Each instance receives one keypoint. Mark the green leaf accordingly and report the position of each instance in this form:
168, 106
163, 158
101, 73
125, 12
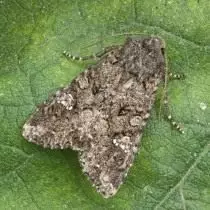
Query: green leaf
172, 170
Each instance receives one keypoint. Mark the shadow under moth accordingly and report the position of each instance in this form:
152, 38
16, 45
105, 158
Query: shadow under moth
103, 112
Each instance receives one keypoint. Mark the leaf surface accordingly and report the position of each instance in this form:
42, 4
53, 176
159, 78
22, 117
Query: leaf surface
172, 170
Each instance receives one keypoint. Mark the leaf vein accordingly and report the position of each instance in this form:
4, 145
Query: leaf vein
181, 182
28, 191
182, 197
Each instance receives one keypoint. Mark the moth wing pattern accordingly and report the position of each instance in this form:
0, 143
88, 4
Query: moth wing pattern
103, 112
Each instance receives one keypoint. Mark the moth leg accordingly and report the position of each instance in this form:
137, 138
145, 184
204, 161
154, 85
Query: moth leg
90, 57
173, 76
73, 57
167, 113
170, 118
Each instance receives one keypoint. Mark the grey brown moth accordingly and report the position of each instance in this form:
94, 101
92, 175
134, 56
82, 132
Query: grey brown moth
103, 112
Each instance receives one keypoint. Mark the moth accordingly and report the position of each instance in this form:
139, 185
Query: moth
103, 112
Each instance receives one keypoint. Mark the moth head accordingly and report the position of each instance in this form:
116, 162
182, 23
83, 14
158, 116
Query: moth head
144, 57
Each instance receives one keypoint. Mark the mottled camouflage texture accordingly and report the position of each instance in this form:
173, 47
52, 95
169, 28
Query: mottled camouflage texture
103, 112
